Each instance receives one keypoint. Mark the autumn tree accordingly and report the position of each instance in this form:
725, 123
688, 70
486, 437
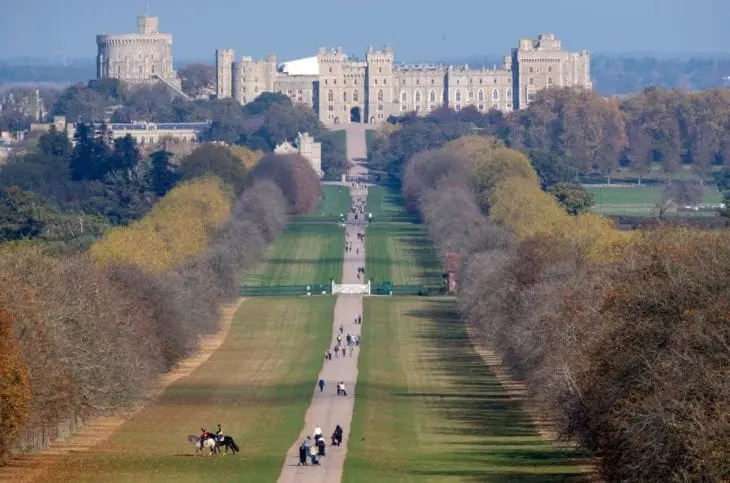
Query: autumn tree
15, 394
294, 175
215, 160
572, 197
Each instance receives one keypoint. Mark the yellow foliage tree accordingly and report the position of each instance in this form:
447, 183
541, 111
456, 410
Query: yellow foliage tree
247, 156
15, 394
490, 164
519, 204
177, 228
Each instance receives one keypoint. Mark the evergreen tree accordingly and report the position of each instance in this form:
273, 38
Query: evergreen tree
162, 176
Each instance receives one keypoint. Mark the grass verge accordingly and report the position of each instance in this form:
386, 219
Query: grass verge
335, 200
304, 253
429, 409
401, 253
387, 205
258, 385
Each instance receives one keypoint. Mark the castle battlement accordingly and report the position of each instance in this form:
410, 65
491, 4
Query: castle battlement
344, 89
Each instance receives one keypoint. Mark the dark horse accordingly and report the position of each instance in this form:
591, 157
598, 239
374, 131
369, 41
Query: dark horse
228, 443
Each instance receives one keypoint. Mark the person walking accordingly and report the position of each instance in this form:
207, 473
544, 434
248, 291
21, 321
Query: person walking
321, 385
339, 340
339, 391
337, 352
302, 455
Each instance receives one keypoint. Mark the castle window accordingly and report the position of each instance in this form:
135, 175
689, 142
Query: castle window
471, 95
330, 70
495, 94
481, 107
550, 69
509, 93
380, 70
495, 106
432, 96
330, 96
495, 80
457, 95
256, 89
531, 81
380, 107
480, 97
550, 81
417, 97
344, 97
431, 81
480, 80
153, 68
532, 70
457, 81
325, 82
403, 97
330, 108
418, 81
385, 81
376, 81
380, 95
354, 96
334, 81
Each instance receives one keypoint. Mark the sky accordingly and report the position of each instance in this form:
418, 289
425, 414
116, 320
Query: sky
417, 30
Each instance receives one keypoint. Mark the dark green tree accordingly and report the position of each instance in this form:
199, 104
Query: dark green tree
572, 197
125, 155
263, 102
550, 168
18, 217
55, 143
162, 175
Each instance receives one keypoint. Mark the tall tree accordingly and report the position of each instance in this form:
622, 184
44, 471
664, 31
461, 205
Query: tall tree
162, 175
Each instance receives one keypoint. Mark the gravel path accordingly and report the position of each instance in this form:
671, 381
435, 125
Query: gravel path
328, 409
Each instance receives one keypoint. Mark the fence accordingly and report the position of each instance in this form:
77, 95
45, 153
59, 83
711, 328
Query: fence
285, 290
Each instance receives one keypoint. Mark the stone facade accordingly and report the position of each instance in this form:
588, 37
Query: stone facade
342, 89
145, 56
305, 146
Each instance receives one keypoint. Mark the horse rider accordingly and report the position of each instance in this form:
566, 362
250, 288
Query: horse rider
204, 434
219, 433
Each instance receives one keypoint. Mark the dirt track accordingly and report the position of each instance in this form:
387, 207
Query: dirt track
98, 430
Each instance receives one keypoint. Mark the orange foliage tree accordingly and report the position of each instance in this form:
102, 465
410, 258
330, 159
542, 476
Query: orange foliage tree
15, 392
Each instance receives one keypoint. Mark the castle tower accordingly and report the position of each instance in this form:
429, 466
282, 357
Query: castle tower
147, 25
224, 72
137, 57
332, 109
379, 85
543, 64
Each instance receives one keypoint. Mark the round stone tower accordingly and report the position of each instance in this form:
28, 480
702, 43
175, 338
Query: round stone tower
136, 57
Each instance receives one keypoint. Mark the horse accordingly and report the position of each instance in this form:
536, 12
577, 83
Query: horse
228, 443
209, 443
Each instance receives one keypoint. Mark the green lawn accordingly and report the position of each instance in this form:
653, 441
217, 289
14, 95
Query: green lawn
386, 205
640, 201
335, 200
429, 410
401, 253
304, 253
258, 384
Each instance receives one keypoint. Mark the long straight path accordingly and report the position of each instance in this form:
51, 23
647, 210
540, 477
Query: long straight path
327, 409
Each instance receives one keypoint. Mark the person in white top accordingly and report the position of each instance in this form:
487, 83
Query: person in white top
317, 433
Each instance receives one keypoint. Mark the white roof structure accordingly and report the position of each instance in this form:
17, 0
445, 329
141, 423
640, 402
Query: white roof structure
306, 66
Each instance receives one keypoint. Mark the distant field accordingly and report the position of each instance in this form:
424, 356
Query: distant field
428, 409
258, 385
335, 200
638, 201
305, 253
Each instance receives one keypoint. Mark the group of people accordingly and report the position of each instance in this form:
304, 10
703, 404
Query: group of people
314, 447
218, 435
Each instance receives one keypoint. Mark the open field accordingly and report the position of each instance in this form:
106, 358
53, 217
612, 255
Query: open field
638, 201
335, 201
401, 253
304, 253
257, 385
429, 409
386, 205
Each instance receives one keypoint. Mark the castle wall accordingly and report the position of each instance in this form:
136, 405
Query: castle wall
377, 88
224, 72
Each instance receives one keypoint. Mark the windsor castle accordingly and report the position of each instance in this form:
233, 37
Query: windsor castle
344, 89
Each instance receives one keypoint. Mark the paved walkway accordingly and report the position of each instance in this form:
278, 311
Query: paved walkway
328, 409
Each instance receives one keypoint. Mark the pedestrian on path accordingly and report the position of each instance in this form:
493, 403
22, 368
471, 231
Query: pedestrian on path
339, 340
349, 339
337, 351
359, 319
342, 328
313, 451
321, 385
302, 455
339, 389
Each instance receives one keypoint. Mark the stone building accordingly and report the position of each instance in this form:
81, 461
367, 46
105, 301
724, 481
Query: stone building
344, 89
305, 146
145, 56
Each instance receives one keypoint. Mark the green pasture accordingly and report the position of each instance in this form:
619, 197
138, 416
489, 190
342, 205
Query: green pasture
304, 253
428, 409
335, 200
386, 205
640, 201
401, 253
258, 385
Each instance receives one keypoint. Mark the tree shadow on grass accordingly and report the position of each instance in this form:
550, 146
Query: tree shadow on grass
501, 437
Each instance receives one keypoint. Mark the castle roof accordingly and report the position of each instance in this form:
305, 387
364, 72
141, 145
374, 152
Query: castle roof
306, 66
